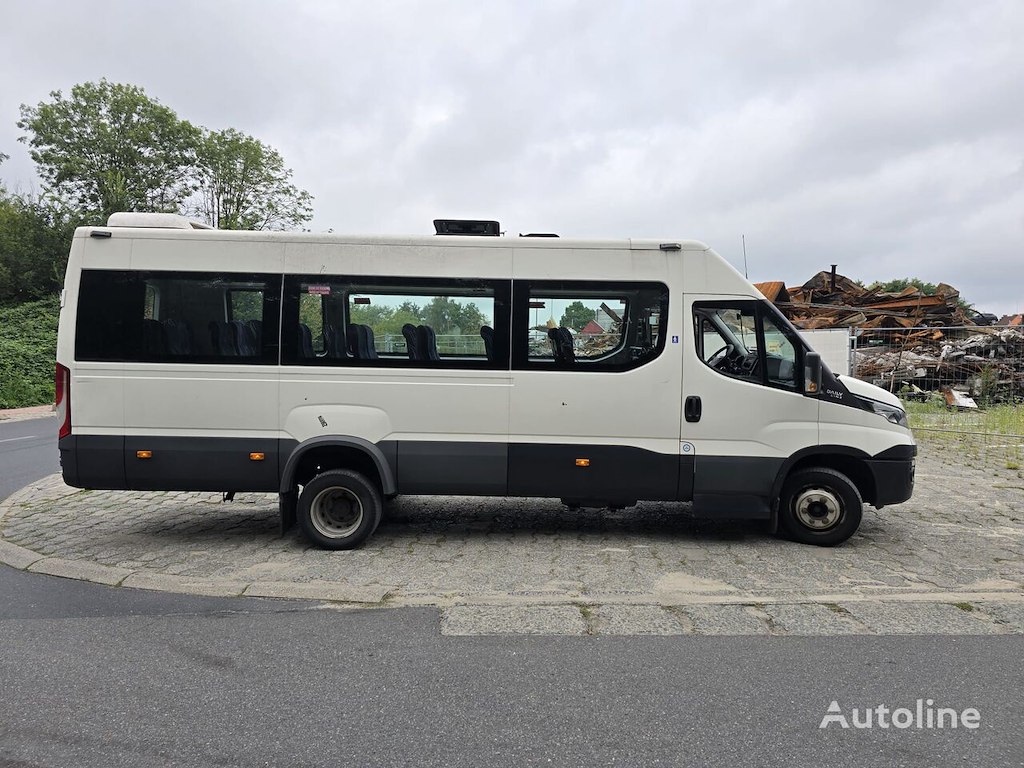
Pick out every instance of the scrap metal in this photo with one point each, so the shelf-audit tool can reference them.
(909, 339)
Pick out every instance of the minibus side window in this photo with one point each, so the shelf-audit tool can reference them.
(588, 325)
(780, 356)
(595, 325)
(414, 322)
(727, 340)
(111, 307)
(454, 322)
(741, 340)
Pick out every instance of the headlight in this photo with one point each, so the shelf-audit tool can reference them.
(890, 412)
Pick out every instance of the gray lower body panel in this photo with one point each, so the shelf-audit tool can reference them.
(610, 474)
(470, 469)
(93, 461)
(735, 486)
(719, 486)
(174, 464)
(202, 464)
(613, 473)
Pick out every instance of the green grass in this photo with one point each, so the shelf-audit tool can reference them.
(1002, 419)
(28, 348)
(987, 438)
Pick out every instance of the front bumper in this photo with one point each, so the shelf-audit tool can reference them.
(893, 473)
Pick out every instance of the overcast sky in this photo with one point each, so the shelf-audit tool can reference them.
(887, 137)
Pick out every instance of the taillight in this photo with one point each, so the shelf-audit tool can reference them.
(62, 385)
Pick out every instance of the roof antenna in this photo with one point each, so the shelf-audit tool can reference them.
(744, 238)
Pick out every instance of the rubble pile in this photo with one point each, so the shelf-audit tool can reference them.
(830, 300)
(989, 365)
(909, 339)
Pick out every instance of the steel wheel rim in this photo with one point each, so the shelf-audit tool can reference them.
(818, 509)
(336, 513)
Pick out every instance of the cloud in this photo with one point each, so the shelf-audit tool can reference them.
(881, 136)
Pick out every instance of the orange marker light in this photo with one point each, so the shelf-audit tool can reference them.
(582, 462)
(256, 457)
(144, 454)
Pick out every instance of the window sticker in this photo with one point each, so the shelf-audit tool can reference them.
(321, 290)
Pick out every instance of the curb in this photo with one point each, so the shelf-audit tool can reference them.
(17, 556)
(23, 414)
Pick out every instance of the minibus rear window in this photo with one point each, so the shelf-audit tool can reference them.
(161, 317)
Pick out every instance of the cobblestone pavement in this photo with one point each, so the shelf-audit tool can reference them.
(949, 561)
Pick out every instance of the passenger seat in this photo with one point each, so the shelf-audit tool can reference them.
(562, 345)
(305, 342)
(412, 342)
(360, 342)
(154, 338)
(334, 345)
(220, 339)
(244, 339)
(487, 334)
(428, 343)
(179, 337)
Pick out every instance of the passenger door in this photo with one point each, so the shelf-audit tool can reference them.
(595, 404)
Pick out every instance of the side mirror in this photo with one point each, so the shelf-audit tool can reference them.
(812, 374)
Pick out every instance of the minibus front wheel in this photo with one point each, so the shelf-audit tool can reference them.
(819, 505)
(339, 509)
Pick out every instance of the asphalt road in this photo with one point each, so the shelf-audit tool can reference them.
(93, 676)
(383, 688)
(28, 451)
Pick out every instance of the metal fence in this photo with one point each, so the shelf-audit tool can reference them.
(959, 380)
(456, 345)
(986, 363)
(463, 345)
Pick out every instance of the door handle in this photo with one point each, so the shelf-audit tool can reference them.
(692, 408)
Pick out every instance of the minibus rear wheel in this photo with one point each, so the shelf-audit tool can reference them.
(820, 506)
(339, 509)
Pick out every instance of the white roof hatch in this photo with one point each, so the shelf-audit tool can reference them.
(154, 221)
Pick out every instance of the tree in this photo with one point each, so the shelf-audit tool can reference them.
(902, 283)
(243, 184)
(448, 316)
(576, 316)
(109, 147)
(34, 242)
(378, 316)
(384, 320)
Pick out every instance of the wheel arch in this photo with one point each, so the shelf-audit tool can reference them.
(852, 462)
(338, 452)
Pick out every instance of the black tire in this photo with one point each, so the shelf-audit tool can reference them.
(820, 506)
(339, 509)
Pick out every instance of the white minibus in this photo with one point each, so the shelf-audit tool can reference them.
(340, 371)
